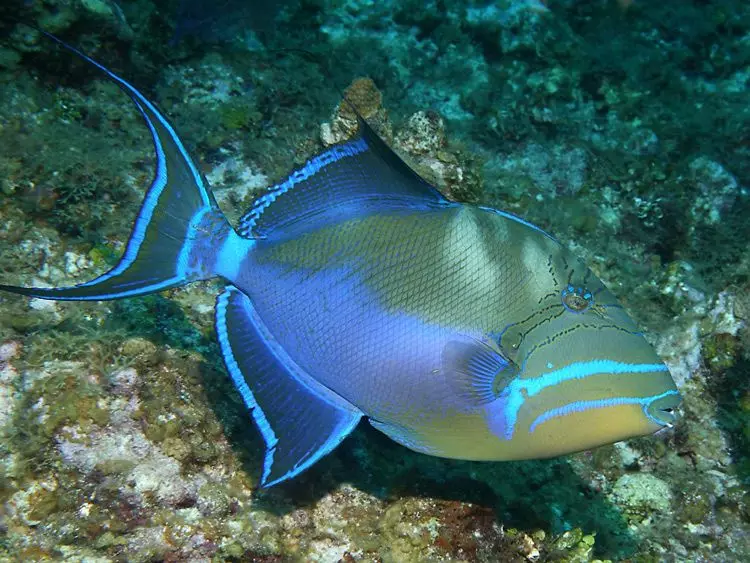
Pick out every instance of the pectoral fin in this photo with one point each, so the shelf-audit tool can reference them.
(300, 419)
(476, 371)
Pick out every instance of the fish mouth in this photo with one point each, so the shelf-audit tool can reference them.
(663, 409)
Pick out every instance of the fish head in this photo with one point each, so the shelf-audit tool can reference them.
(584, 374)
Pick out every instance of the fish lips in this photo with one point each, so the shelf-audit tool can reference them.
(664, 409)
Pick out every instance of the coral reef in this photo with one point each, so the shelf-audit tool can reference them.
(621, 132)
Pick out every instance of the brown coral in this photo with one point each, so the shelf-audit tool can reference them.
(360, 97)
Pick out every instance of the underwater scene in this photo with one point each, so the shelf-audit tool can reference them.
(374, 281)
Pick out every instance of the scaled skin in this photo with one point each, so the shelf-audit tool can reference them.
(367, 307)
(355, 288)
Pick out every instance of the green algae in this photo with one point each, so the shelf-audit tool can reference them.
(720, 351)
(733, 389)
(175, 411)
(573, 547)
(532, 94)
(54, 400)
(695, 503)
(158, 319)
(77, 188)
(239, 114)
(641, 495)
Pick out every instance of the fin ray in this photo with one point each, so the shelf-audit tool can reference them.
(300, 419)
(475, 370)
(356, 177)
(175, 221)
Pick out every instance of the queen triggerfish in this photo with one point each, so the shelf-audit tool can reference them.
(355, 289)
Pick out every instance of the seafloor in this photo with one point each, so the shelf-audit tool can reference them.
(621, 127)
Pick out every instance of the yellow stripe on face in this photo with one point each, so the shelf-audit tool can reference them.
(583, 406)
(577, 430)
(519, 391)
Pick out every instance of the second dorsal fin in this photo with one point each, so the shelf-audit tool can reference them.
(356, 177)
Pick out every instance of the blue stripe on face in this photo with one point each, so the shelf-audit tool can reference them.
(582, 406)
(515, 394)
(580, 370)
(544, 343)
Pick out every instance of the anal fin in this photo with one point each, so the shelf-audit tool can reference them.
(300, 419)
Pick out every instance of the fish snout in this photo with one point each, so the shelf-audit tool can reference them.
(664, 409)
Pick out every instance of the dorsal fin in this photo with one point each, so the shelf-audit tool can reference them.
(356, 177)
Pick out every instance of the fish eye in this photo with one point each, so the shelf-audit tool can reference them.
(577, 299)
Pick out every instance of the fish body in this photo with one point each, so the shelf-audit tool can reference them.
(395, 306)
(355, 289)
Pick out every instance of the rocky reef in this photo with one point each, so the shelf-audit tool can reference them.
(621, 127)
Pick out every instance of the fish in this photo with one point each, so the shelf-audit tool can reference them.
(355, 290)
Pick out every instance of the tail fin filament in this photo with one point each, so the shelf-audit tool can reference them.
(177, 226)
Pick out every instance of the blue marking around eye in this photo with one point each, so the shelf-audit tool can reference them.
(517, 390)
(582, 406)
(576, 299)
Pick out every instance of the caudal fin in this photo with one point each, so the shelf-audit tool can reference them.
(177, 229)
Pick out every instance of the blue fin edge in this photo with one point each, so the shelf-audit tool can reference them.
(140, 101)
(517, 219)
(310, 168)
(269, 436)
(150, 201)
